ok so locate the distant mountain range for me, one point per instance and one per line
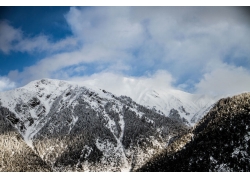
(67, 127)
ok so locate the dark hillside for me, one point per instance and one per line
(221, 141)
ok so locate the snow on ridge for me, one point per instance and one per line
(185, 103)
(47, 90)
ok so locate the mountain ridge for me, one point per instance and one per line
(187, 105)
(163, 103)
(76, 128)
(69, 127)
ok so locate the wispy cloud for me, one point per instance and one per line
(12, 39)
(6, 84)
(8, 35)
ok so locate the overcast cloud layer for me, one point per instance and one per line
(197, 49)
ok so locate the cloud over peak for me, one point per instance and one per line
(121, 84)
(6, 84)
(187, 43)
(225, 80)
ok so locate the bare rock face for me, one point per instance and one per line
(16, 155)
(219, 142)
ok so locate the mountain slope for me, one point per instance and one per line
(219, 142)
(185, 106)
(15, 154)
(74, 128)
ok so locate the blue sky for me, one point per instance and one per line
(196, 49)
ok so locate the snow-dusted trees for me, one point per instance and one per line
(15, 155)
(107, 127)
(220, 141)
(79, 129)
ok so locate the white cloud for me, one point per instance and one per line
(12, 39)
(6, 84)
(225, 80)
(41, 43)
(125, 85)
(8, 35)
(105, 27)
(50, 67)
(185, 41)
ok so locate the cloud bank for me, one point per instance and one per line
(199, 47)
(226, 80)
(127, 85)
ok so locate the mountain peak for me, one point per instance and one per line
(110, 127)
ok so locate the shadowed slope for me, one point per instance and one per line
(221, 141)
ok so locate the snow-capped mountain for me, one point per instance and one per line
(69, 127)
(33, 102)
(72, 127)
(175, 103)
(168, 100)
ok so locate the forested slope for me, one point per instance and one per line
(219, 142)
(15, 154)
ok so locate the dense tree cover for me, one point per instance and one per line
(15, 154)
(220, 141)
(85, 132)
(68, 144)
(97, 134)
